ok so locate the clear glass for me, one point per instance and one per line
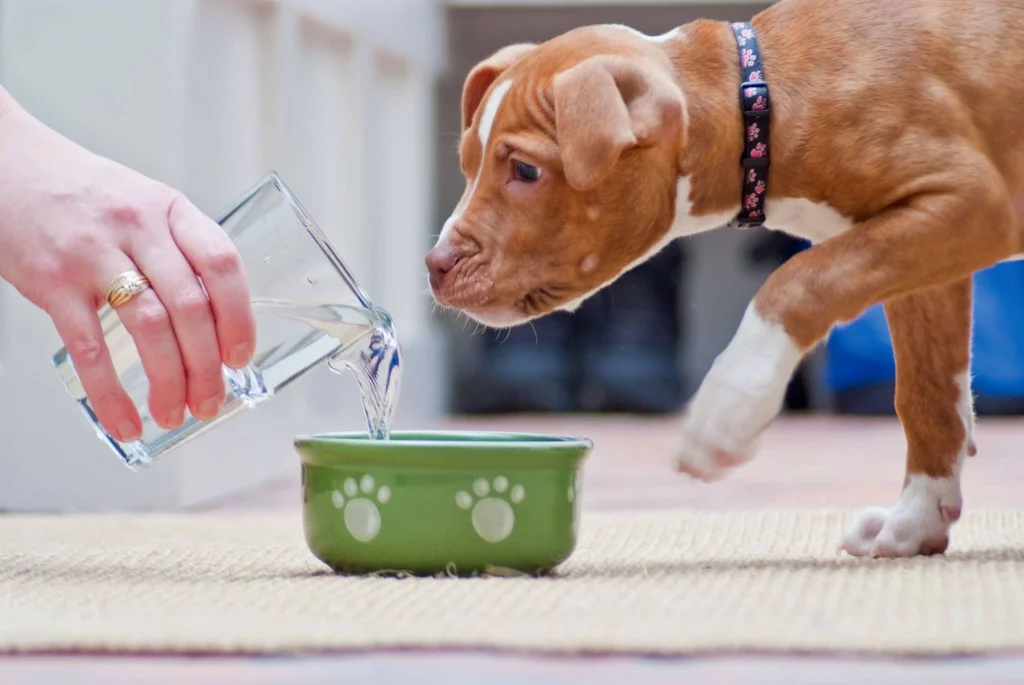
(308, 309)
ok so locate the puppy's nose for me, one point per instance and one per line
(441, 260)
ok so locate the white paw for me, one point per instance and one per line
(720, 430)
(741, 395)
(491, 507)
(361, 513)
(919, 523)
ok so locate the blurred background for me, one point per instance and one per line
(355, 103)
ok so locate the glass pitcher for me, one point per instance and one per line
(308, 309)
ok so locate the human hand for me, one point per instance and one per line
(70, 222)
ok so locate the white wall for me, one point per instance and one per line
(207, 95)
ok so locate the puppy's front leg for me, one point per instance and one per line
(929, 240)
(741, 394)
(931, 335)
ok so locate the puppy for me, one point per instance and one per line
(894, 137)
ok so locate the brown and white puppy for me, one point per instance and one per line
(897, 148)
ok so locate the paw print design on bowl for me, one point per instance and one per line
(491, 507)
(360, 504)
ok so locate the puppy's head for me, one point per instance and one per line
(570, 152)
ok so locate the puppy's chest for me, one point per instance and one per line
(812, 221)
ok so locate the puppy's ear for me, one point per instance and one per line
(606, 105)
(484, 74)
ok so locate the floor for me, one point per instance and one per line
(803, 462)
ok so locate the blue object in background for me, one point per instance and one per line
(860, 353)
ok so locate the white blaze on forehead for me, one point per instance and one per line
(491, 111)
(487, 116)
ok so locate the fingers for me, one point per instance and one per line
(214, 258)
(196, 316)
(191, 319)
(146, 319)
(79, 327)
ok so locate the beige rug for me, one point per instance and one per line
(652, 583)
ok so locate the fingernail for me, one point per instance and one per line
(128, 432)
(177, 418)
(209, 408)
(239, 355)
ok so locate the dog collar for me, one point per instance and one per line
(754, 102)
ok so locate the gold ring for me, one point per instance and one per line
(123, 288)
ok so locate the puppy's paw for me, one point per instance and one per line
(725, 420)
(741, 395)
(918, 525)
(718, 437)
(859, 538)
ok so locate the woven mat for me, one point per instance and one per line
(645, 583)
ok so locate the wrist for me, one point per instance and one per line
(8, 105)
(9, 133)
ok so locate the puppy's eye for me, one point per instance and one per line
(526, 173)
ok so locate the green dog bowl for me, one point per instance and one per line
(459, 503)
